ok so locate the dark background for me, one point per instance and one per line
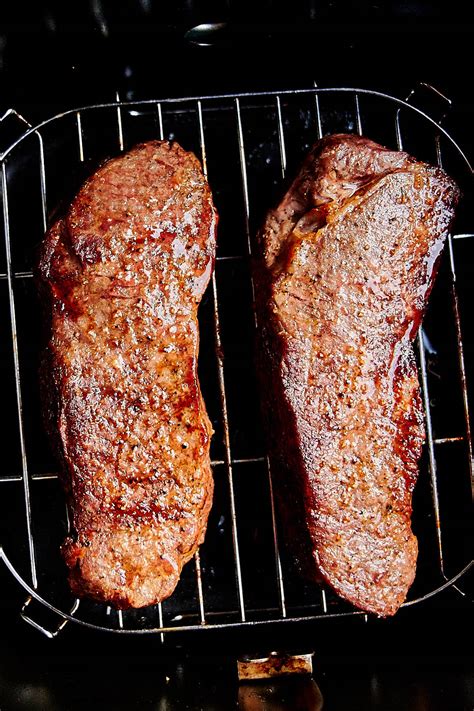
(57, 53)
(64, 54)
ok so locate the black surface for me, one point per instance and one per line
(67, 54)
(417, 662)
(57, 59)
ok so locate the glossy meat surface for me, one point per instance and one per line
(122, 275)
(347, 261)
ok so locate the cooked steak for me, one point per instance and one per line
(122, 275)
(346, 265)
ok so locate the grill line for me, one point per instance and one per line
(219, 353)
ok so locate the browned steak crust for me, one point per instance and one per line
(122, 276)
(346, 265)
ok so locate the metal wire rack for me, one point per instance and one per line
(247, 143)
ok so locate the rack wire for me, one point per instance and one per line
(198, 603)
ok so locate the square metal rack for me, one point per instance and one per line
(249, 145)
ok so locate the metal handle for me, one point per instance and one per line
(21, 119)
(51, 634)
(434, 92)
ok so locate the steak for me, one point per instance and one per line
(122, 275)
(346, 264)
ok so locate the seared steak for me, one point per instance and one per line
(346, 265)
(122, 275)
